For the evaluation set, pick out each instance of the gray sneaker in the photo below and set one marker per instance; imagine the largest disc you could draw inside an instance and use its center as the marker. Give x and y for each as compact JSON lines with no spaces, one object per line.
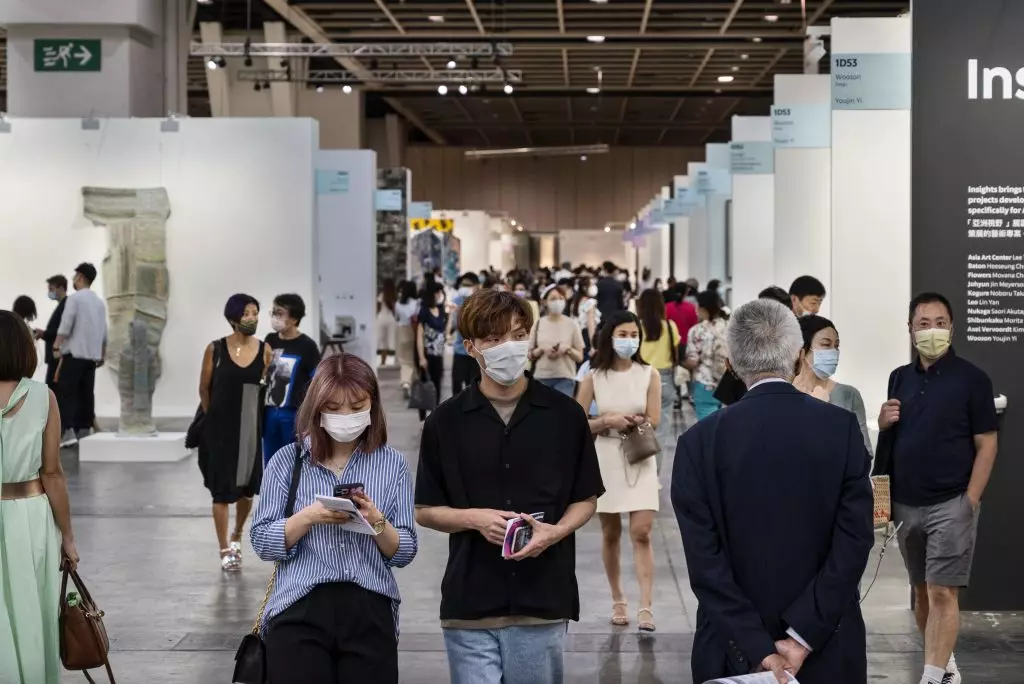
{"x":69,"y":439}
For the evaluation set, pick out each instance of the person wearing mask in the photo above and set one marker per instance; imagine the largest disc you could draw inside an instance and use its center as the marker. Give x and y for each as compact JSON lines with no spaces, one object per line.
{"x":465,"y":370}
{"x":556,"y":344}
{"x":233,"y":372}
{"x":611,"y":296}
{"x":646,"y":279}
{"x":585,"y":312}
{"x":294,"y":356}
{"x":938,"y":441}
{"x":430,"y":339}
{"x":520,"y":289}
{"x":505,"y":620}
{"x":36,"y":534}
{"x":680,"y":312}
{"x":628,"y":393}
{"x":706,"y":355}
{"x":743,"y":481}
{"x":406,"y":308}
{"x":57,"y":291}
{"x":387,"y":320}
{"x":332,"y":612}
{"x":564,"y":273}
{"x":692,"y":288}
{"x":806,"y":295}
{"x":818,"y":361}
{"x":660,"y":350}
{"x":25,"y":307}
{"x":81,"y":346}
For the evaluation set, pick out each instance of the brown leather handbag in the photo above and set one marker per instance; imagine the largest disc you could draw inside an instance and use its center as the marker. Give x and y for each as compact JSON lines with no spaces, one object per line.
{"x":83,"y":638}
{"x":640,"y":443}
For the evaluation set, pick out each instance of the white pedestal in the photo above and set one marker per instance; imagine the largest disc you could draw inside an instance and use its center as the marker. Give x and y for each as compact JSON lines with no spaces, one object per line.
{"x":109,"y":447}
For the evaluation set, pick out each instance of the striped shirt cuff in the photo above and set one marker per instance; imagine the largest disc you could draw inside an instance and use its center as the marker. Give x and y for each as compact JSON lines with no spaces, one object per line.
{"x":269,"y":542}
{"x":406,"y":549}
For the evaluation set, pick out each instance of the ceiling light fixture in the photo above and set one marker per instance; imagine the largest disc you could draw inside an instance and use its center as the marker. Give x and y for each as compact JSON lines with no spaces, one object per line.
{"x":463,"y":90}
{"x":216,"y":63}
{"x":771,"y":18}
{"x":451,"y":64}
{"x":347,"y":89}
{"x":257,"y":87}
{"x":632,"y":226}
{"x":205,"y":2}
{"x":599,"y":2}
{"x":593,"y":90}
{"x":436,"y":18}
{"x":319,"y":89}
{"x":583,"y":157}
{"x":508,"y":89}
{"x":513,"y":223}
{"x":735,"y":68}
{"x":726,"y":79}
{"x":595,"y":39}
{"x":520,"y":229}
{"x":442,"y":89}
{"x":607,"y":229}
{"x":756,"y":39}
{"x":744,"y":56}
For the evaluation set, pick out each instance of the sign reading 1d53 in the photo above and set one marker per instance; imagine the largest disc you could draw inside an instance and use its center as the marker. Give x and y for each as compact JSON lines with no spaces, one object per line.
{"x":68,"y":54}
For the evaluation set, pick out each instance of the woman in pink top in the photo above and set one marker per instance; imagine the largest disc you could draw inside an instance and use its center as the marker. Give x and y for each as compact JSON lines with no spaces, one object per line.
{"x":682,"y":313}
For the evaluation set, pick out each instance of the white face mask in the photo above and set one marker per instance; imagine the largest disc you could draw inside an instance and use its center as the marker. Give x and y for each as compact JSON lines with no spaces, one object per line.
{"x":465,"y":291}
{"x":556,"y":306}
{"x":345,"y":427}
{"x":506,"y":362}
{"x":592,"y":291}
{"x":278,"y":324}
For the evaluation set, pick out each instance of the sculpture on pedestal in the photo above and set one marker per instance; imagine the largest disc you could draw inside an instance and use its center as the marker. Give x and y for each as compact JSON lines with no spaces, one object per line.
{"x":135,"y":282}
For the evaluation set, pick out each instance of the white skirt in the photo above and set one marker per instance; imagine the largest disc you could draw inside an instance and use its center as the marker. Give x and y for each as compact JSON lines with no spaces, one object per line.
{"x":628,"y":487}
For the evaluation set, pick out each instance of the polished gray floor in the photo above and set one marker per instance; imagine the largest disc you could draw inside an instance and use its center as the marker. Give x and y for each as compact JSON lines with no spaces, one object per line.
{"x":150,"y":555}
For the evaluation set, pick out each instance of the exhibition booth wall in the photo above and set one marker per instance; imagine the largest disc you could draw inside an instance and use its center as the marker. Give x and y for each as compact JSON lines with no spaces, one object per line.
{"x":592,"y":247}
{"x":753,"y":217}
{"x":241,"y":195}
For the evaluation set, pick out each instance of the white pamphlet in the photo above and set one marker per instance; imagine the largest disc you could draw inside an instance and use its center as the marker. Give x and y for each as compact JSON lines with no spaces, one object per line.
{"x":357,"y":524}
{"x":758,"y":678}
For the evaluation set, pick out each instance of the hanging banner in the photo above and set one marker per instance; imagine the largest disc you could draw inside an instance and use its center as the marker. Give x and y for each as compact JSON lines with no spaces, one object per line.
{"x":420,"y":210}
{"x":440,"y":225}
{"x":754,"y":157}
{"x":871,"y":80}
{"x":802,"y":125}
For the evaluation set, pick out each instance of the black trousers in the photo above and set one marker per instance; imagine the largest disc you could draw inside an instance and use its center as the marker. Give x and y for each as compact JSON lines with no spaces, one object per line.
{"x":465,"y":371}
{"x":336,"y":634}
{"x":76,"y":393}
{"x":435,"y":371}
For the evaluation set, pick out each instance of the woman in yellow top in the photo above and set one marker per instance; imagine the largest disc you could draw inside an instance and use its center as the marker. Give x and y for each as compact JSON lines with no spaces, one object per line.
{"x":660,"y":349}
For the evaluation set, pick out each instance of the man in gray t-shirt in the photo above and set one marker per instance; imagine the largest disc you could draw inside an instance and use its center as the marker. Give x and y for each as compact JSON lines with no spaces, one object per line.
{"x":81,"y":346}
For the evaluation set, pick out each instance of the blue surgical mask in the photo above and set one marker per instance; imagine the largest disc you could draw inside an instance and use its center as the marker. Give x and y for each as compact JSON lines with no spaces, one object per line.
{"x":825,"y":363}
{"x":52,"y":295}
{"x":626,"y":347}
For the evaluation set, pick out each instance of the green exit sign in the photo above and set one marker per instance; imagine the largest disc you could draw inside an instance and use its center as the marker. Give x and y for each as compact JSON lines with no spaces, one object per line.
{"x":68,"y":54}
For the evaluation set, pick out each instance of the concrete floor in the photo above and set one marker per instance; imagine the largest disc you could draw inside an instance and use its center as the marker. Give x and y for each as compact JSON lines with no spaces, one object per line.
{"x":150,"y":556}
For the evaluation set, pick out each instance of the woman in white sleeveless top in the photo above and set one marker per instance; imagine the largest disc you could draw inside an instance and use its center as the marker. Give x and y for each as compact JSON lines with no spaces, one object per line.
{"x":627,"y":392}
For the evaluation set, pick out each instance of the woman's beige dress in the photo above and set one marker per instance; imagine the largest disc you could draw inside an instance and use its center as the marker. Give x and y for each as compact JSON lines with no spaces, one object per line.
{"x":627,"y":487}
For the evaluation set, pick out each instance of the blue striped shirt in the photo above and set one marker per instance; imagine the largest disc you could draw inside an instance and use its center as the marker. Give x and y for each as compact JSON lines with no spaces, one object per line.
{"x":329,"y":553}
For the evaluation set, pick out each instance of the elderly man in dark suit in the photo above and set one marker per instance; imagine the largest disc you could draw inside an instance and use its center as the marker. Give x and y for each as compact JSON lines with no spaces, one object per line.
{"x":775,"y":508}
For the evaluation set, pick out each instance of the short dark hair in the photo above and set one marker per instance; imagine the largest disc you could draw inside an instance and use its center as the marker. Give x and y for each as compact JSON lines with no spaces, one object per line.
{"x":777,"y":294}
{"x":812,"y":325}
{"x":18,"y":358}
{"x":714,"y":284}
{"x":806,"y":286}
{"x":929,"y":298}
{"x":604,"y":348}
{"x":712,"y":303}
{"x":57,"y":281}
{"x":87,"y":271}
{"x":493,"y":312}
{"x":472,"y":278}
{"x":292,"y":303}
{"x":235,"y":307}
{"x":25,"y":307}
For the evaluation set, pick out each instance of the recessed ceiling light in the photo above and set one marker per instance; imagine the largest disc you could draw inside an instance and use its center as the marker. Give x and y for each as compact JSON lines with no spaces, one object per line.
{"x":593,"y":91}
{"x":599,"y":2}
{"x":347,"y":89}
{"x":785,"y":2}
{"x":205,"y":2}
{"x":508,"y":89}
{"x":513,"y":223}
{"x":726,"y":79}
{"x":451,"y":64}
{"x":632,"y":226}
{"x":463,"y":89}
{"x":442,"y":89}
{"x":735,"y":68}
{"x":436,"y":18}
{"x":595,"y":39}
{"x":744,"y":56}
{"x":319,"y":89}
{"x":583,"y":157}
{"x":520,"y":229}
{"x":718,"y":91}
{"x":771,"y":18}
{"x":607,"y":229}
{"x":756,"y":39}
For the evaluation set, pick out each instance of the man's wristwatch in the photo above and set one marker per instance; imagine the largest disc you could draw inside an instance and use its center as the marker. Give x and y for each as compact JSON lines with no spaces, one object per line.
{"x":380,"y":526}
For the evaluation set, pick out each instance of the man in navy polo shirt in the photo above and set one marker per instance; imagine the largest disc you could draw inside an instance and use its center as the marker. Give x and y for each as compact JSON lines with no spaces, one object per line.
{"x":941,"y":426}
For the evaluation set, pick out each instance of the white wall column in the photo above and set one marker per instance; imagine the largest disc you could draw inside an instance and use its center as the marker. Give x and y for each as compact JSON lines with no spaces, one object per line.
{"x":753,"y":216}
{"x":682,"y":264}
{"x":716,"y":209}
{"x":871,"y":221}
{"x":801,"y":120}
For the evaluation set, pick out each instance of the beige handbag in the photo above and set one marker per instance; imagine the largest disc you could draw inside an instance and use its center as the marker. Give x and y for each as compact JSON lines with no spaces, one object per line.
{"x":883,"y":503}
{"x":640,"y":443}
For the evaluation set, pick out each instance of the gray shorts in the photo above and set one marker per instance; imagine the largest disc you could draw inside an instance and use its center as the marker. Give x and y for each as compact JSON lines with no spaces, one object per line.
{"x":937,"y":542}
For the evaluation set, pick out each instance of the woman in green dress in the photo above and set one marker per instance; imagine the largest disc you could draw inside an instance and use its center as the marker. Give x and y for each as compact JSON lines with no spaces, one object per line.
{"x":35,"y":519}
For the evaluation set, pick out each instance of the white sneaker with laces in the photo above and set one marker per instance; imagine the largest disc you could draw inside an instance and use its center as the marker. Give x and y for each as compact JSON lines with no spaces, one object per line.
{"x":952,"y":672}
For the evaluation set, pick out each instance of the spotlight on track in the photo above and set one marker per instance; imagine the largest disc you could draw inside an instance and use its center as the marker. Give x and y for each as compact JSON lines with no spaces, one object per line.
{"x":451,"y":64}
{"x":319,"y":89}
{"x":347,"y":89}
{"x":442,"y":89}
{"x":508,"y":89}
{"x":463,"y":89}
{"x":216,"y":63}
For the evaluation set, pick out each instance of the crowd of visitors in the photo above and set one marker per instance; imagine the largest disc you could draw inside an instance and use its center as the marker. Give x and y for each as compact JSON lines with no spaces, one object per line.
{"x":559,"y":380}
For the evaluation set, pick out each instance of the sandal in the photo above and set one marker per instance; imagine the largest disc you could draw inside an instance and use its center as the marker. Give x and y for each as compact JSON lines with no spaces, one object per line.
{"x":619,"y":620}
{"x":646,"y":625}
{"x":236,"y":545}
{"x":230,"y":561}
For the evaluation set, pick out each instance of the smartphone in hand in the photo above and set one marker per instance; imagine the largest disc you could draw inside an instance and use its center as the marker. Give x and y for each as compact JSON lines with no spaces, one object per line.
{"x":345,"y":491}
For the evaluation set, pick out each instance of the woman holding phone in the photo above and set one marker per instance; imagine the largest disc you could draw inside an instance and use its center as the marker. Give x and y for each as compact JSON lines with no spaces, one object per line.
{"x":333,"y":606}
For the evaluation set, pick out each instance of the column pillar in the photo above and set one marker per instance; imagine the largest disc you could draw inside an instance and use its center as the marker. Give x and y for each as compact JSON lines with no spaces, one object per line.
{"x":70,"y":59}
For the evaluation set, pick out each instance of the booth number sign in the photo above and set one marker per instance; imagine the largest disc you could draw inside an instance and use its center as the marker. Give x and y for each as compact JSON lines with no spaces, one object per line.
{"x":68,"y":54}
{"x":440,"y":225}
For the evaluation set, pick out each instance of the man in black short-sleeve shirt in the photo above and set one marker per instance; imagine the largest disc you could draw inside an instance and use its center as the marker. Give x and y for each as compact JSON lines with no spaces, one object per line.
{"x":507,"y":447}
{"x":939,"y":428}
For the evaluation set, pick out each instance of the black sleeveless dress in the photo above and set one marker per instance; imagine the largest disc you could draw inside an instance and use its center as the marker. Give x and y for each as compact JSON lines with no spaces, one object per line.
{"x":230,"y":454}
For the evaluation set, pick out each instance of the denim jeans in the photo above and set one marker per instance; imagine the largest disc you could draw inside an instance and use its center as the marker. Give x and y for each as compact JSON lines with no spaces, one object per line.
{"x":510,"y":655}
{"x":563,"y":385}
{"x":704,"y":402}
{"x":278,"y":430}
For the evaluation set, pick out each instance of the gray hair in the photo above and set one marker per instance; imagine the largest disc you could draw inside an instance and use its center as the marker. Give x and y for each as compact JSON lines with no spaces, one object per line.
{"x":764,"y":340}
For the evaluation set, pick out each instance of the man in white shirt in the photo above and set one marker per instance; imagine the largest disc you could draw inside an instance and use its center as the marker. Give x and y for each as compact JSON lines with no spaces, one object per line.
{"x":81,"y":346}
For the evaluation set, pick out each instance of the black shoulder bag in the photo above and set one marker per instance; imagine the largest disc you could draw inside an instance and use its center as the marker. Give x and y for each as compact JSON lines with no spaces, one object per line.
{"x":886,"y":438}
{"x":251,"y":657}
{"x":194,"y":434}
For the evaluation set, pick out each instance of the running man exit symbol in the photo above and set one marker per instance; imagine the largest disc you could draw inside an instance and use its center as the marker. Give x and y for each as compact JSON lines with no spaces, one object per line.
{"x":68,"y":54}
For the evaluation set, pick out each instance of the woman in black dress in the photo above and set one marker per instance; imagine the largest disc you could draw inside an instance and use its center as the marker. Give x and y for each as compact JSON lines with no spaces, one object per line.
{"x":430,"y":338}
{"x":230,"y":389}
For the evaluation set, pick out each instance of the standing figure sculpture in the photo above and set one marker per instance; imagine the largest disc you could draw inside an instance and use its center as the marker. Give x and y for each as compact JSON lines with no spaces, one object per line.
{"x":135,"y":283}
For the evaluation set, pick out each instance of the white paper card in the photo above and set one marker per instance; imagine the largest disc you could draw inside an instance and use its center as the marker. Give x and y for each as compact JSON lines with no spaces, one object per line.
{"x":358,"y":524}
{"x":759,"y":678}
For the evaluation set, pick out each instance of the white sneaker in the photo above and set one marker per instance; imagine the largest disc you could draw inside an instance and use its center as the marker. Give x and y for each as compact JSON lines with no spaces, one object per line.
{"x":952,"y":675}
{"x":69,"y":439}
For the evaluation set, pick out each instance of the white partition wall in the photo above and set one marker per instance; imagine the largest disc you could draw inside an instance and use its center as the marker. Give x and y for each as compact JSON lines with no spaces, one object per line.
{"x":681,"y":260}
{"x":347,"y":246}
{"x":753,"y":218}
{"x":474,"y":233}
{"x":234,"y":226}
{"x":697,"y":264}
{"x":803,"y":181}
{"x":591,"y":247}
{"x":871,"y":222}
{"x":715,"y":207}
